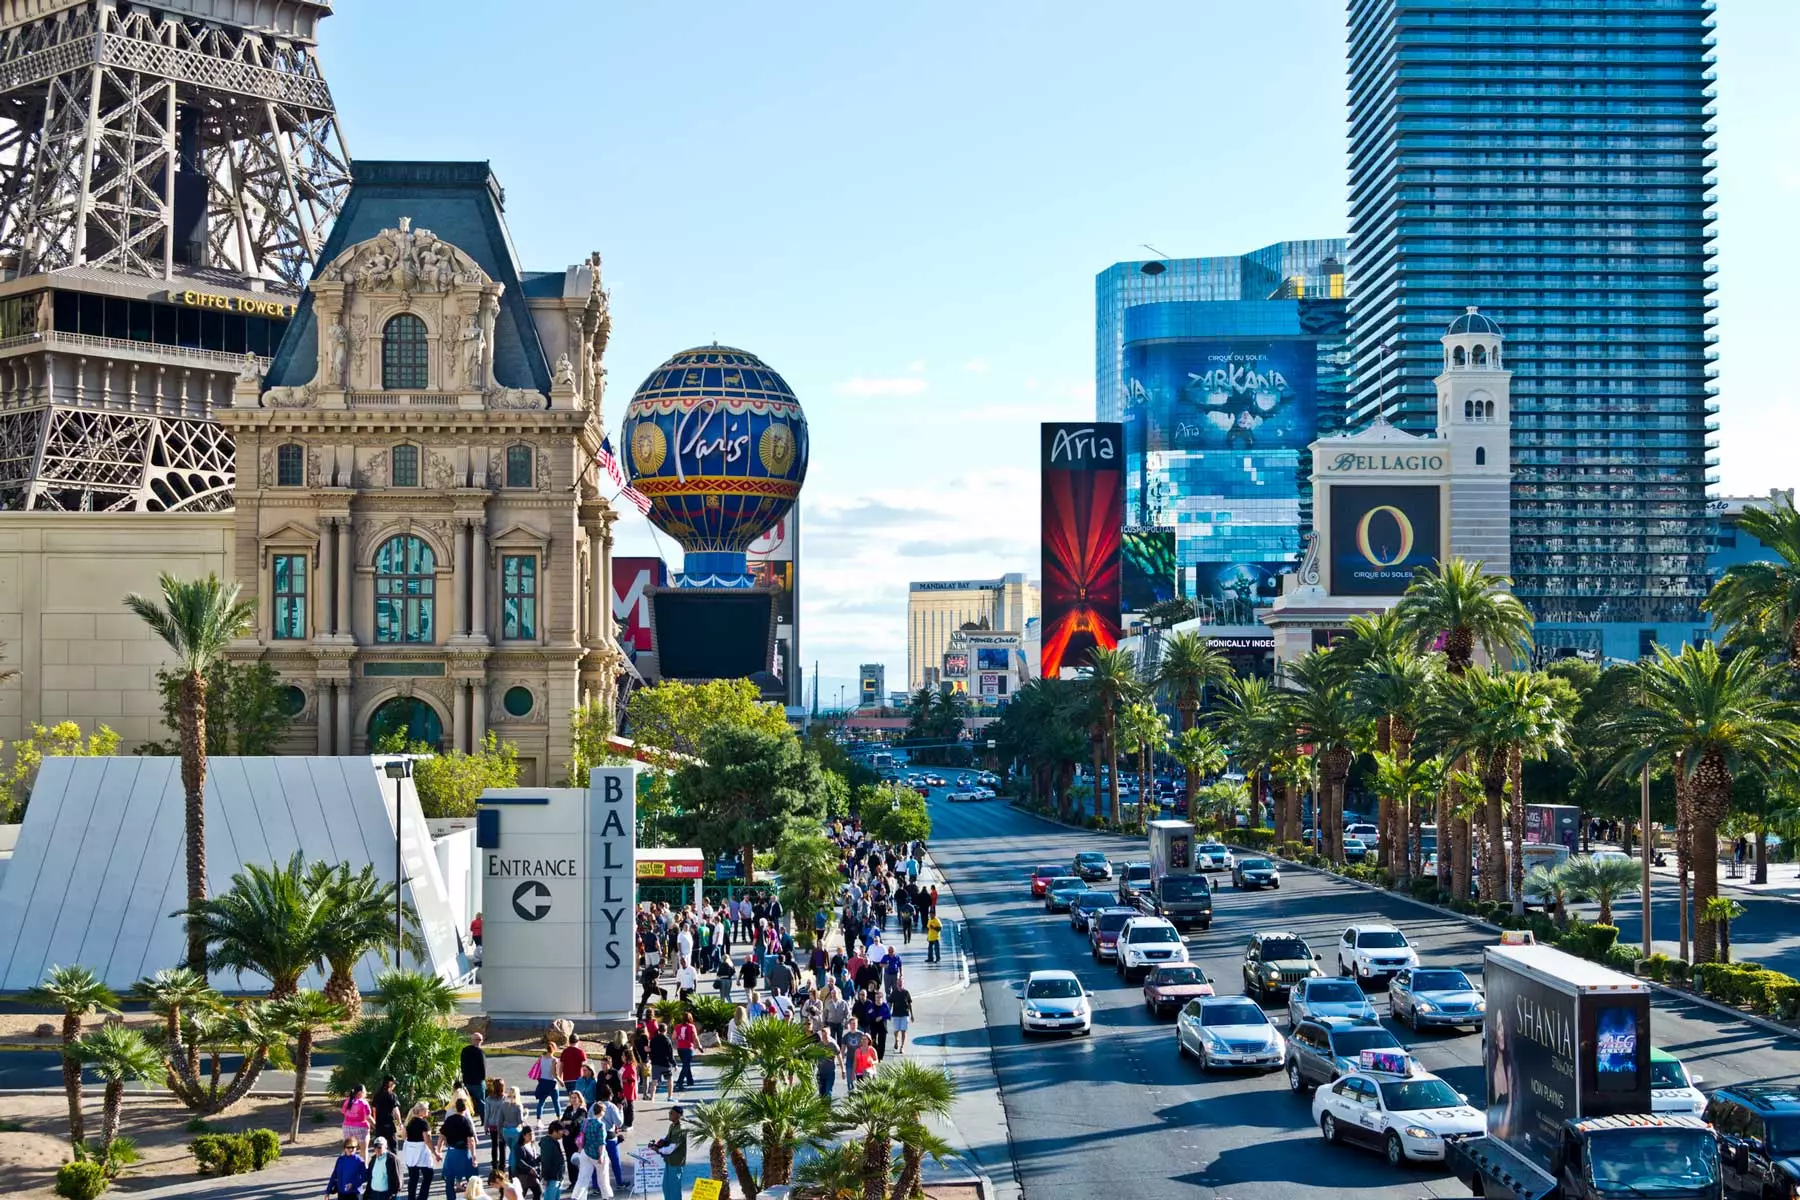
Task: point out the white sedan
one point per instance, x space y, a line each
1054 1002
1213 856
1407 1117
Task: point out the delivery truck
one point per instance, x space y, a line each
1176 892
1567 1051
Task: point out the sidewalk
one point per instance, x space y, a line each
1783 884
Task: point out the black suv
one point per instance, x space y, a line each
1319 1051
1759 1139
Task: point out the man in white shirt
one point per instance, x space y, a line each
684 944
687 980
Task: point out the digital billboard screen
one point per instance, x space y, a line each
956 666
1255 585
1380 535
1223 394
1083 515
713 635
1147 567
991 658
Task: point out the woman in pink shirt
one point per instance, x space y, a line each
687 1041
628 1078
358 1116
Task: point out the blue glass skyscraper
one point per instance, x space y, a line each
1549 161
1223 370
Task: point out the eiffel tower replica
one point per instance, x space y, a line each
168 174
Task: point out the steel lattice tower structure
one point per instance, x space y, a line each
168 172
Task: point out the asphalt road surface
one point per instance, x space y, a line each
1120 1114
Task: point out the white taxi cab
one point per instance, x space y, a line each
1387 1104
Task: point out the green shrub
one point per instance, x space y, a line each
1292 850
1601 939
265 1147
80 1180
200 1125
1656 967
1425 888
1784 998
1256 839
1679 970
712 1013
1622 958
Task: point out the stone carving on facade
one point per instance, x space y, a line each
515 398
405 260
1309 563
339 374
250 370
471 343
265 468
359 340
374 472
290 397
565 373
314 469
442 470
543 471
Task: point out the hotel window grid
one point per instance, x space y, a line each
290 466
406 466
288 596
405 592
405 354
518 466
518 597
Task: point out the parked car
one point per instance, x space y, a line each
1355 850
1320 1051
1132 880
1169 988
1276 961
1423 996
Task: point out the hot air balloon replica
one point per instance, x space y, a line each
717 442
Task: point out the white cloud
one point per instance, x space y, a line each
916 366
865 388
977 366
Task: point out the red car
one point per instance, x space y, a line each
1166 989
1041 877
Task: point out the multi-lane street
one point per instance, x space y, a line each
1120 1114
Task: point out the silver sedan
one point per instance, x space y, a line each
1423 996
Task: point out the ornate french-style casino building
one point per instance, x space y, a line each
417 512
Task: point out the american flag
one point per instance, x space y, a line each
609 462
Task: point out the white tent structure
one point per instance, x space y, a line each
100 865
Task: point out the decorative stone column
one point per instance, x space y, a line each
341 735
327 607
477 714
346 568
603 593
478 593
459 575
599 580
322 714
265 607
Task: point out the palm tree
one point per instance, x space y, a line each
834 1173
876 1108
1295 772
791 1116
1601 880
1199 754
1145 733
1466 607
774 1051
303 1016
1406 785
1391 683
1719 913
727 1127
117 1055
247 1029
1112 682
357 919
198 620
413 997
1465 723
1714 717
77 991
175 993
270 921
1187 665
926 1093
1552 883
1249 717
808 866
1325 718
1758 603
1524 711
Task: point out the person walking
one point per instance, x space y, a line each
829 1065
512 1119
528 1164
358 1117
458 1135
851 1046
492 1099
612 1126
934 932
384 1172
673 1147
544 1071
628 1080
574 1056
662 1063
419 1153
901 1002
553 1165
473 1065
687 1041
348 1174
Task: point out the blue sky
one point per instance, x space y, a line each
902 208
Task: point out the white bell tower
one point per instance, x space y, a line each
1475 417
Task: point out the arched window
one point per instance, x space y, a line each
1490 410
404 355
1468 410
1480 358
1459 358
406 466
518 466
405 591
1481 456
407 720
290 465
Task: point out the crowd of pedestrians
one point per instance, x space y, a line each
564 1139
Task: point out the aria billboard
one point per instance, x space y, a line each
1147 565
1381 535
1083 517
1208 394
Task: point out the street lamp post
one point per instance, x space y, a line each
399 770
1644 849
